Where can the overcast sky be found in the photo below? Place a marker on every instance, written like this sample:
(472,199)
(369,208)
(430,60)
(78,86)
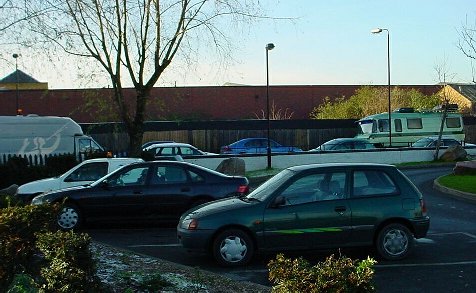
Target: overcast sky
(329,42)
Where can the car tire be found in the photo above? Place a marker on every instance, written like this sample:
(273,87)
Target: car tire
(69,217)
(394,242)
(233,247)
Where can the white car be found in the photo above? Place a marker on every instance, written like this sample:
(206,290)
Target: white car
(174,149)
(84,173)
(446,141)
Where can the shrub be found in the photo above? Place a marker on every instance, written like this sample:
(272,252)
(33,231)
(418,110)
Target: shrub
(18,226)
(71,267)
(333,275)
(23,283)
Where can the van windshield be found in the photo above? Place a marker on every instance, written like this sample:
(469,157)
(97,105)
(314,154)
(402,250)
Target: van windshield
(366,126)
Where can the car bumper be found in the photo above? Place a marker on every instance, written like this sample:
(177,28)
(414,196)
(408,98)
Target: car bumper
(195,240)
(421,226)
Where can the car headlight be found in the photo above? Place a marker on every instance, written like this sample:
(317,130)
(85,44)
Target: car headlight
(37,200)
(189,223)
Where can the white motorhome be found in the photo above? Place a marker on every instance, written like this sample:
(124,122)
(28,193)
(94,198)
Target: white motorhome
(43,135)
(408,126)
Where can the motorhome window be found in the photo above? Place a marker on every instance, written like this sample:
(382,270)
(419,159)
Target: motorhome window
(383,125)
(398,125)
(453,122)
(414,123)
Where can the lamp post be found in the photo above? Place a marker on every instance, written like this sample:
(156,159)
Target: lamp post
(16,86)
(269,47)
(377,31)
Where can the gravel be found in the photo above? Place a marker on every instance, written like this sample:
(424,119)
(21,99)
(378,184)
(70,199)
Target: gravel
(124,271)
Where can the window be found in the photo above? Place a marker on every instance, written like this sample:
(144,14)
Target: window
(88,172)
(383,125)
(372,183)
(196,177)
(453,122)
(134,176)
(414,123)
(398,125)
(315,187)
(166,151)
(172,174)
(87,145)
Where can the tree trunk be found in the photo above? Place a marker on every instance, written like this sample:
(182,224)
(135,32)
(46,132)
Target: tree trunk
(136,128)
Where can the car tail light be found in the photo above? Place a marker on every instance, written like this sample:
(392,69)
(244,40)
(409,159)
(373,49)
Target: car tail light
(243,189)
(226,149)
(423,207)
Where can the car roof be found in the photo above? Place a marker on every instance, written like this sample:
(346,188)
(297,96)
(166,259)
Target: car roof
(333,165)
(114,159)
(348,139)
(169,144)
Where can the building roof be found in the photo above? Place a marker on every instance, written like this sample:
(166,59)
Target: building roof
(22,78)
(465,89)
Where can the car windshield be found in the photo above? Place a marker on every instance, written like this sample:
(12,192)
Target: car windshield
(424,142)
(270,186)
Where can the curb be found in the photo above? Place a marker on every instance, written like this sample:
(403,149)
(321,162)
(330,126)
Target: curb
(466,196)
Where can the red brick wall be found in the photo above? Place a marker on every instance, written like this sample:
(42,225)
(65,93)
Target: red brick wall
(218,103)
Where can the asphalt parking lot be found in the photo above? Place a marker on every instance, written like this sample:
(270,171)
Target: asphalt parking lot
(444,261)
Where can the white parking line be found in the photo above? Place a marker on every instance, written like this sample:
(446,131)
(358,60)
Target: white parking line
(452,233)
(471,262)
(155,245)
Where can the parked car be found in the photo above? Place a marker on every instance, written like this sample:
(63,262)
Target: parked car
(256,146)
(345,144)
(430,142)
(84,173)
(159,190)
(311,207)
(149,143)
(174,149)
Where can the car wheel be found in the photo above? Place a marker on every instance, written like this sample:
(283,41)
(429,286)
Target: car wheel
(233,247)
(69,218)
(394,242)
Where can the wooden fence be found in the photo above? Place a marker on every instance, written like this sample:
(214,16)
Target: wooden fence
(211,135)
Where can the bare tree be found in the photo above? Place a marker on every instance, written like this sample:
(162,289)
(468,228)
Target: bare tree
(134,41)
(467,40)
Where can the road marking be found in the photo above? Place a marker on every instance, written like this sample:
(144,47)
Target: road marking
(471,262)
(154,245)
(452,233)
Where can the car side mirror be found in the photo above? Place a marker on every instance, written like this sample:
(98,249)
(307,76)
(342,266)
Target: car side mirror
(278,201)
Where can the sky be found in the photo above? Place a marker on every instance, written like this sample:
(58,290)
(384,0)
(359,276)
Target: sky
(325,43)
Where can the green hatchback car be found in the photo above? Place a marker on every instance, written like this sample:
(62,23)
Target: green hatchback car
(311,207)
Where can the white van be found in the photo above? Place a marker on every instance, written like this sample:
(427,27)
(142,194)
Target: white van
(82,174)
(34,135)
(408,126)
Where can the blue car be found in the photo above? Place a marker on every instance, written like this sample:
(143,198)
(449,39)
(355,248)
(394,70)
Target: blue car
(256,146)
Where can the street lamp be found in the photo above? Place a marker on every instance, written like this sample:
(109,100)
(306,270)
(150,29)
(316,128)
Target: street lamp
(269,47)
(17,80)
(378,31)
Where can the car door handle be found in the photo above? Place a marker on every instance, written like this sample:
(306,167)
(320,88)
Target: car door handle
(137,192)
(340,209)
(185,189)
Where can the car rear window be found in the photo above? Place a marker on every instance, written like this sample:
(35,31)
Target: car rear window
(372,183)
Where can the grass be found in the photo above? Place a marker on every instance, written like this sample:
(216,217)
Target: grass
(465,183)
(263,172)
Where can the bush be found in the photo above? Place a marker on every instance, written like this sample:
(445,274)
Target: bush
(333,275)
(70,264)
(18,226)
